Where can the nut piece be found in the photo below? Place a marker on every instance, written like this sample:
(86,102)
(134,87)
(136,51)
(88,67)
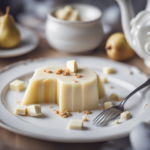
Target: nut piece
(74,80)
(108,105)
(84,118)
(49,71)
(87,112)
(125,115)
(114,97)
(108,70)
(63,113)
(104,79)
(111,87)
(50,106)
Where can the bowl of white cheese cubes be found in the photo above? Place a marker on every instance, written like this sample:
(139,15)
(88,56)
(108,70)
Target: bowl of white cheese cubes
(74,28)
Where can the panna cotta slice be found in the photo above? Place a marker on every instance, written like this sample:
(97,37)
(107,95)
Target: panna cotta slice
(73,92)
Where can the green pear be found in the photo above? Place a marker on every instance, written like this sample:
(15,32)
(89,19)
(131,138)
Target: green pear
(9,34)
(117,47)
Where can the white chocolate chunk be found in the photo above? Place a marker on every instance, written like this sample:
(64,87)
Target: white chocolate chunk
(72,66)
(116,122)
(17,85)
(108,105)
(74,16)
(104,79)
(108,70)
(75,124)
(34,110)
(20,110)
(64,13)
(125,115)
(84,118)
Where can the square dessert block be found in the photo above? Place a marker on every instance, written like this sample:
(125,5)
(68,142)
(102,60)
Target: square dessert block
(75,124)
(21,110)
(108,70)
(125,115)
(108,105)
(34,110)
(72,65)
(17,85)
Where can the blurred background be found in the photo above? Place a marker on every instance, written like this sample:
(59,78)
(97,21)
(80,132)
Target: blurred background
(33,13)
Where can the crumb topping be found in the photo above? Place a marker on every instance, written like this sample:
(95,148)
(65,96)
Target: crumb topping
(50,106)
(49,71)
(44,70)
(63,113)
(74,80)
(59,71)
(77,76)
(87,112)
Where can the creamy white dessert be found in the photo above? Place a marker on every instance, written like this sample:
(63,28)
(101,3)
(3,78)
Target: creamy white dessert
(75,124)
(108,70)
(125,115)
(17,85)
(108,105)
(34,110)
(70,91)
(21,110)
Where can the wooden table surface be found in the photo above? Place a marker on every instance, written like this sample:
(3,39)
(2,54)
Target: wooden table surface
(12,141)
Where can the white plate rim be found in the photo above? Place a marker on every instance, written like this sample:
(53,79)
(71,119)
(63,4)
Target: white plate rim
(8,127)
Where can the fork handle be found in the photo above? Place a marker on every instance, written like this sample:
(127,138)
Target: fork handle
(136,90)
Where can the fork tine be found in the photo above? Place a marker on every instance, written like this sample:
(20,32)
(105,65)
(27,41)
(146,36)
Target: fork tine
(101,114)
(105,120)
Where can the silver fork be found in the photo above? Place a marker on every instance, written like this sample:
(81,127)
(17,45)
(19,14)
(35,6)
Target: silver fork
(115,111)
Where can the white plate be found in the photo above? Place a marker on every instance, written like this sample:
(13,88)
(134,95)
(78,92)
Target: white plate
(29,41)
(49,126)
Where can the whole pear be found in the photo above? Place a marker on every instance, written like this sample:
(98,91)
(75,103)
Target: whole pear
(9,34)
(117,47)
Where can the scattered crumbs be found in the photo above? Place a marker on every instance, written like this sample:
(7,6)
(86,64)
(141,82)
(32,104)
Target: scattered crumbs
(87,112)
(77,76)
(102,108)
(49,71)
(111,87)
(44,70)
(66,73)
(114,97)
(74,80)
(50,106)
(79,111)
(131,72)
(63,113)
(145,106)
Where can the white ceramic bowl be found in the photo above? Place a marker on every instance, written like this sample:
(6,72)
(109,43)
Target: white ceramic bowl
(78,36)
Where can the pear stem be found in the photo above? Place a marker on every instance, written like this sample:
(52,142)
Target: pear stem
(7,10)
(1,13)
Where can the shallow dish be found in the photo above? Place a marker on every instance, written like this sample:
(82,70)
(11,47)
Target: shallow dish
(49,126)
(29,41)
